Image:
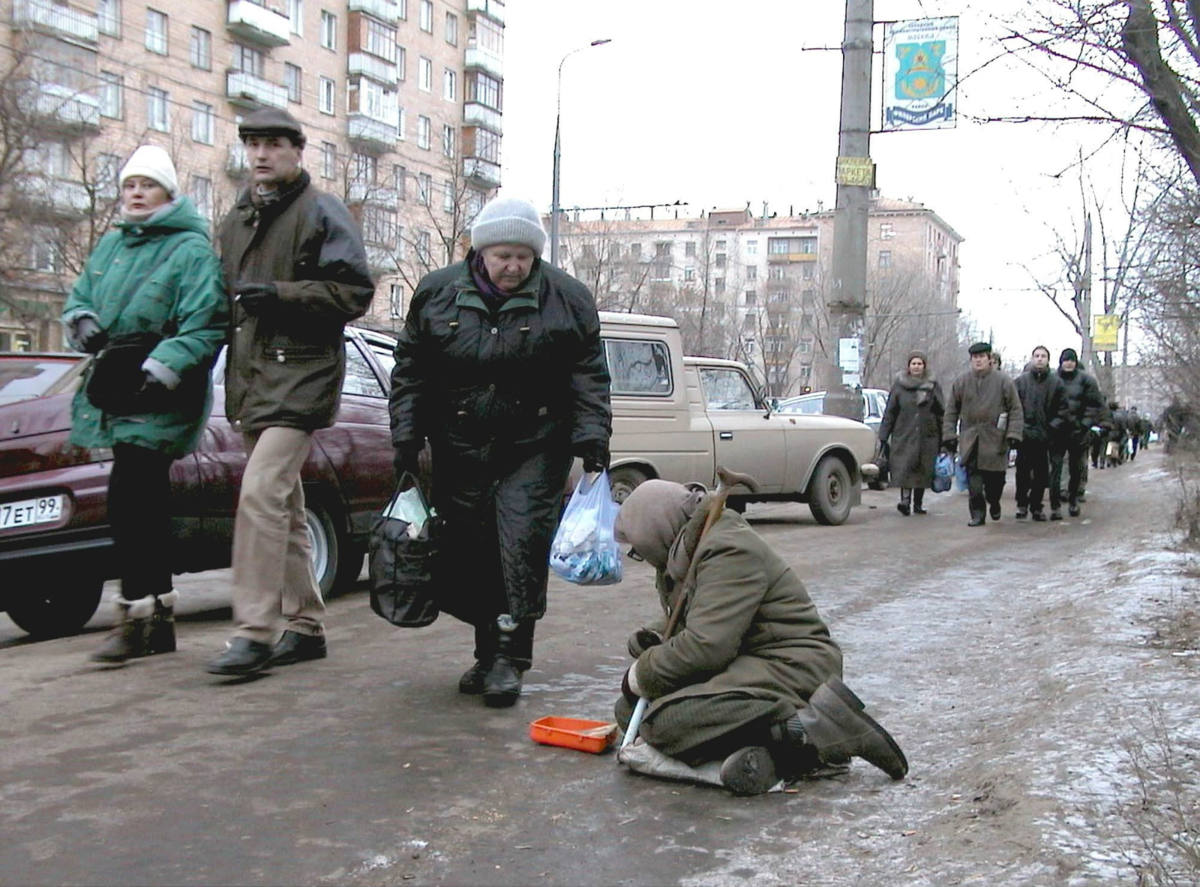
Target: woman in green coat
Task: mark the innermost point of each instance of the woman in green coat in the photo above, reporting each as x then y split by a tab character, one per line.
155	274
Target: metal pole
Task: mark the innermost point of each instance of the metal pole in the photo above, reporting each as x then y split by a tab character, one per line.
555	207
1085	296
855	181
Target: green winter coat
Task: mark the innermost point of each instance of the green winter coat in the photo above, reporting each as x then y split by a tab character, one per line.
974	411
749	628
160	277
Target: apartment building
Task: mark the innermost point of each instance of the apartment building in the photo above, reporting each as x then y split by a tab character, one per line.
401	101
756	288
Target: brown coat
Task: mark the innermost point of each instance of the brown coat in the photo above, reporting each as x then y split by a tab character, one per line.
977	400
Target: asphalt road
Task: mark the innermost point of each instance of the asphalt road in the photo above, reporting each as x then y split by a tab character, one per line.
369	768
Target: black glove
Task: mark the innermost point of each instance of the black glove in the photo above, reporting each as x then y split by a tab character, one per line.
407	458
626	690
256	298
642	640
1013	443
950	445
594	454
90	336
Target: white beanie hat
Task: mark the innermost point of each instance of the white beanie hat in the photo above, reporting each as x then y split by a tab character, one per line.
509	220
155	163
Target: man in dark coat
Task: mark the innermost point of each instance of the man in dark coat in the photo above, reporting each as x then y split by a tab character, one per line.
1044	403
1085	409
912	431
747	691
983	422
294	261
501	368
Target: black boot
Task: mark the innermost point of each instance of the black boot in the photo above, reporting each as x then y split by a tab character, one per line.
161	636
905	497
919	501
471	683
128	638
514	655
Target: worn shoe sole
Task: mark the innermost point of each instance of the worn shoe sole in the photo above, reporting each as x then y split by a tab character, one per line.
896	765
749	771
294	657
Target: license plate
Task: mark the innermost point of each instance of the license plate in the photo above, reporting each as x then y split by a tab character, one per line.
42	510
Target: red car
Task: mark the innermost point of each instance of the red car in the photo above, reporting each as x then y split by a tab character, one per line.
55	544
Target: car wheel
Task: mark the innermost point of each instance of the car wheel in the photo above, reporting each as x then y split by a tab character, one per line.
59	612
829	492
624	480
336	561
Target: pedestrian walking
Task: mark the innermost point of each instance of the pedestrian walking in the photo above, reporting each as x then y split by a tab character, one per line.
1134	421
297	272
1118	435
501	369
155	277
748	690
1044	404
983	422
912	431
1085	411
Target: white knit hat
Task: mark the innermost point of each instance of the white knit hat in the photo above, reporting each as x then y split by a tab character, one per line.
509	220
155	163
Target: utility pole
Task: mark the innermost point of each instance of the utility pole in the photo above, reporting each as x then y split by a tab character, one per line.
1085	294
855	181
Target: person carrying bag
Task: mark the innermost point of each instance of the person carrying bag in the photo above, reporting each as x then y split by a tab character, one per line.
403	551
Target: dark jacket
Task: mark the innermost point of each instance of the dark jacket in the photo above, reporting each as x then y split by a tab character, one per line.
1085	406
913	422
977	402
504	394
286	367
1044	403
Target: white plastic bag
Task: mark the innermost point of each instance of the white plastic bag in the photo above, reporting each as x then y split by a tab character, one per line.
585	551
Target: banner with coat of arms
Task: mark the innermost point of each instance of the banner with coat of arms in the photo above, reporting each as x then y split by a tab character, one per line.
920	73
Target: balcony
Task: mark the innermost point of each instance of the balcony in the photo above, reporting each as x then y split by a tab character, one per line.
60	196
367	192
371	132
253	92
475	114
363	64
485	61
237	164
493	9
382	259
384	10
258	24
58	21
63	107
791	257
482	172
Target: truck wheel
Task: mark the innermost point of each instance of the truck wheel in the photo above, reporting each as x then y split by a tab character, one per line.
829	492
624	480
336	560
58	612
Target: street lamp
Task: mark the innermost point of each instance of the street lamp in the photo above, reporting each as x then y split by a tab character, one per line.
554	208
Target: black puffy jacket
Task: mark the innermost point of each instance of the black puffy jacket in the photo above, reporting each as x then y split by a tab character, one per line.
1085	406
1044	399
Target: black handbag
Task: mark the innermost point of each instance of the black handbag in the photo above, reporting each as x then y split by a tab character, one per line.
402	566
116	381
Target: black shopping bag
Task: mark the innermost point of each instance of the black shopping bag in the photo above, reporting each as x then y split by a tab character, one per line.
116	379
401	564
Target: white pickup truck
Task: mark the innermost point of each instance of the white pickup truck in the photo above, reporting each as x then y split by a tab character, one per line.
678	418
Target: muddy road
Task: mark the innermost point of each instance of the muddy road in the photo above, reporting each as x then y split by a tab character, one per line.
1032	673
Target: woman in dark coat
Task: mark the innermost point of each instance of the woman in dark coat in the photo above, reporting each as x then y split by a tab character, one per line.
501	368
913	422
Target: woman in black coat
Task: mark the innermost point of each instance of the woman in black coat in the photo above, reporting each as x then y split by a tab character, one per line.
501	368
912	430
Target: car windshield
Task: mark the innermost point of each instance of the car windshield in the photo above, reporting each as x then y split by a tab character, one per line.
22	378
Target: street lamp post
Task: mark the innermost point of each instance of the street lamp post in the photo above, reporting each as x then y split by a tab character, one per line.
554	205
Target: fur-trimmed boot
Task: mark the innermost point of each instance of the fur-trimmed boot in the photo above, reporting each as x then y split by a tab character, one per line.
127	640
160	637
514	655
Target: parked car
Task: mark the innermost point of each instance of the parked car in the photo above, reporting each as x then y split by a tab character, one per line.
55	542
25	375
874	403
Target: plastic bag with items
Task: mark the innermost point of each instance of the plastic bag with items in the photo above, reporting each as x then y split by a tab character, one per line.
585	549
943	473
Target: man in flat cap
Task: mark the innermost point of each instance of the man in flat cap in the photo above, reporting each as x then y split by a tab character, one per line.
297	272
983	422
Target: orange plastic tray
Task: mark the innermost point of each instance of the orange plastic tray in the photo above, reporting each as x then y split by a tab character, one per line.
576	733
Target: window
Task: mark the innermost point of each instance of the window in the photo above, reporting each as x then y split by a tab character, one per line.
401	63
402	10
295	9
886	230
450	86
425	74
400	181
43	254
360	378
401	124
448	196
108	167
720	260
448	141
328	160
326	95
726	389
202	196
638	367
719	286
379	225
291	80
248	61
751	298
423	247
752	247
635	251
157	103
424	125
689	250
328	30
486	35
203	123
424	187
156	31
885	258
108	17
376	101
783	246
484	89
200	49
487	146
427	15
363	168
777	272
381	40
752	272
112	95
396	301
452	29
807	271
51	159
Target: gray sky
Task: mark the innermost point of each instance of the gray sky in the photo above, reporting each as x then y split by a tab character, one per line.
714	105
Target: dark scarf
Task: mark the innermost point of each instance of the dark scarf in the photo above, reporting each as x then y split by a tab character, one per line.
264	204
493	296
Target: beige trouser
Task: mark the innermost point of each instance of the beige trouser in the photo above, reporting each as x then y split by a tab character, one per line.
272	562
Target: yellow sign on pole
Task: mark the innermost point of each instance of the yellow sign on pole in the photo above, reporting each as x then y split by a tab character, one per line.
856	171
1104	331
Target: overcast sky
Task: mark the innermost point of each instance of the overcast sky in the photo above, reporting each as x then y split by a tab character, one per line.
716	105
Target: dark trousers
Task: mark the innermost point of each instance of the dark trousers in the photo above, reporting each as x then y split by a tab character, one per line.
1075	455
139	513
1033	473
1098	457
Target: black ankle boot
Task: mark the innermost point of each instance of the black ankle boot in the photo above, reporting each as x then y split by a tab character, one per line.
514	655
919	501
903	505
160	637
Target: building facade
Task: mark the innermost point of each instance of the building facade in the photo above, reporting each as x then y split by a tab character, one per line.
401	101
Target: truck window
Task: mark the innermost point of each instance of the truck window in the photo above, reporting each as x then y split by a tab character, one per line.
639	367
726	389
